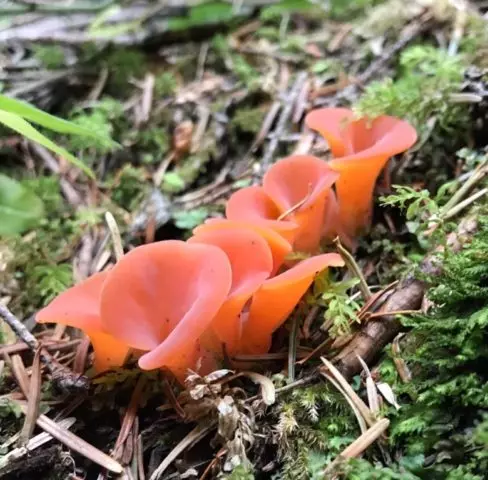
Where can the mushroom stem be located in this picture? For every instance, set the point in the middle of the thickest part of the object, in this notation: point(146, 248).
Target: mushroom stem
point(354, 190)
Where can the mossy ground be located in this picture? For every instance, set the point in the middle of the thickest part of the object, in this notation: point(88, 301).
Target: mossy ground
point(223, 87)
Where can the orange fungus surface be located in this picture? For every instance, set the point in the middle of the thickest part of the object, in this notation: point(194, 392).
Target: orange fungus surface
point(161, 298)
point(183, 305)
point(79, 307)
point(360, 150)
point(251, 263)
point(275, 300)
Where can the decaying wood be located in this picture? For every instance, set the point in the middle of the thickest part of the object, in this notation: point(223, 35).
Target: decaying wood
point(408, 295)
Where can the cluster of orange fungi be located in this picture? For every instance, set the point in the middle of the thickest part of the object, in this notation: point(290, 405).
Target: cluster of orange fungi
point(181, 305)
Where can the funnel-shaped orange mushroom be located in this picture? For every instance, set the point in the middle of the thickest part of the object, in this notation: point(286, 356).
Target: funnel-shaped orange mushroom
point(275, 300)
point(162, 297)
point(79, 307)
point(279, 247)
point(251, 262)
point(300, 185)
point(253, 204)
point(360, 149)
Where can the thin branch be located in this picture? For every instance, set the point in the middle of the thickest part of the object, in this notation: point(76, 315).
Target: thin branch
point(199, 432)
point(288, 103)
point(62, 376)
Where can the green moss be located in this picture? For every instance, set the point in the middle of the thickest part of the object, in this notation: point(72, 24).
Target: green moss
point(313, 423)
point(105, 117)
point(165, 84)
point(443, 414)
point(420, 93)
point(129, 187)
point(186, 172)
point(239, 473)
point(50, 56)
point(342, 10)
point(243, 70)
point(475, 40)
point(123, 65)
point(248, 120)
point(154, 143)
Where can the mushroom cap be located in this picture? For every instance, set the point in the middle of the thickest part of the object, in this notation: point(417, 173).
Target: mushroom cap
point(279, 247)
point(251, 263)
point(330, 123)
point(79, 307)
point(357, 139)
point(275, 300)
point(161, 297)
point(360, 149)
point(301, 184)
point(253, 204)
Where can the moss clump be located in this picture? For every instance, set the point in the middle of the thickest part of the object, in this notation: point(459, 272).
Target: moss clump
point(129, 187)
point(153, 142)
point(105, 117)
point(165, 84)
point(248, 120)
point(442, 422)
point(426, 78)
point(124, 65)
point(314, 425)
point(37, 268)
point(51, 57)
point(235, 62)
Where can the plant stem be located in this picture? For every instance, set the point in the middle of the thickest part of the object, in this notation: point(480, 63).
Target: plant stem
point(354, 268)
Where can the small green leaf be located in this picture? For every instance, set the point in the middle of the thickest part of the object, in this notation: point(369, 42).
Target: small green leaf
point(20, 209)
point(33, 114)
point(172, 181)
point(187, 220)
point(321, 66)
point(23, 127)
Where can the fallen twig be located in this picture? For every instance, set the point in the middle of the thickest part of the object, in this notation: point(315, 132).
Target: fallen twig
point(199, 432)
point(359, 445)
point(409, 33)
point(62, 376)
point(33, 400)
point(75, 443)
point(129, 417)
point(32, 444)
point(288, 103)
point(360, 405)
point(408, 295)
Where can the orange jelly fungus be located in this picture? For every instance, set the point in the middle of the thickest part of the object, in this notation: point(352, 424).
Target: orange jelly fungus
point(175, 304)
point(162, 297)
point(275, 300)
point(79, 307)
point(253, 204)
point(279, 247)
point(360, 149)
point(251, 262)
point(300, 185)
point(159, 298)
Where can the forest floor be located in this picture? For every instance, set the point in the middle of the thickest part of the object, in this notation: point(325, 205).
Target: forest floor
point(201, 98)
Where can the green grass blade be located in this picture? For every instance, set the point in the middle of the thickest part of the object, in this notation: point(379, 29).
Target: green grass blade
point(34, 115)
point(23, 127)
